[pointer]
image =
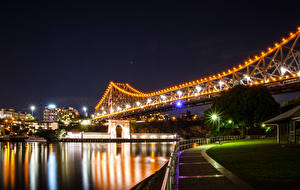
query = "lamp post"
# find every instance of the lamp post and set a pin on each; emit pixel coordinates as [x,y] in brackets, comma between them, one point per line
[32,108]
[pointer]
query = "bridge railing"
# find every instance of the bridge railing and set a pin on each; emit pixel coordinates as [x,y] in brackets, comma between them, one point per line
[186,144]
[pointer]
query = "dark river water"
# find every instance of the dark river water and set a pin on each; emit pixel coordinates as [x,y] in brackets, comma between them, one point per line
[79,165]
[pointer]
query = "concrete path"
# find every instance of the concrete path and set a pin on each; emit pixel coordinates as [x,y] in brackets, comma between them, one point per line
[196,170]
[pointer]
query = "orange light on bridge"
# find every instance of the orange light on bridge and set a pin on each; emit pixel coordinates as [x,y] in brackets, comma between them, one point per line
[270,49]
[283,39]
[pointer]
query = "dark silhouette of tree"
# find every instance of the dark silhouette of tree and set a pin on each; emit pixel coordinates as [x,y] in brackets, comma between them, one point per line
[245,106]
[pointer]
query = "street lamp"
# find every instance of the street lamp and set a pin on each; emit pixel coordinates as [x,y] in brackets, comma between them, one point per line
[85,110]
[32,108]
[214,117]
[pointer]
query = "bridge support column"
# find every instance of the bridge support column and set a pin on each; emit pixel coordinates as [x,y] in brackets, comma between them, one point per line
[112,126]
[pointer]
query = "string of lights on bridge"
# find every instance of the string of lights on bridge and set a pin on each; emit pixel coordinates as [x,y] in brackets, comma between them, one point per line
[222,84]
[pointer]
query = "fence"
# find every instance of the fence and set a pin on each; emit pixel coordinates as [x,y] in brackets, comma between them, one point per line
[185,144]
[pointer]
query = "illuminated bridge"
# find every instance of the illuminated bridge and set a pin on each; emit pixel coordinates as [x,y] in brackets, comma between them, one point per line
[277,68]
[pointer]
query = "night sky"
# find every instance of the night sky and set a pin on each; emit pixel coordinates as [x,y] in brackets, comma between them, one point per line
[66,53]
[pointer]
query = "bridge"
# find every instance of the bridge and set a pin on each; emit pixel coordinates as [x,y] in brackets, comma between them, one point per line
[277,68]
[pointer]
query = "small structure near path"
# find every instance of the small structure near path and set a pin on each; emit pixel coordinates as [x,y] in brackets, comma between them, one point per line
[288,125]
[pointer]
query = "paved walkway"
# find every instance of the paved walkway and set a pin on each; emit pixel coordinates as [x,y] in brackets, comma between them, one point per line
[196,170]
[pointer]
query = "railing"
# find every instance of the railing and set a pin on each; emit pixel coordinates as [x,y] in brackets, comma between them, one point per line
[185,144]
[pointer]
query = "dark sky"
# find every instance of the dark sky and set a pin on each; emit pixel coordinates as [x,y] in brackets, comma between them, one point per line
[66,53]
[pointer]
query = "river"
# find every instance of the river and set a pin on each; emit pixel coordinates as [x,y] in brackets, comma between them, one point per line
[85,166]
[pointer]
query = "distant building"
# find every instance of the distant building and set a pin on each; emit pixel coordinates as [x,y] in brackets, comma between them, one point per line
[66,114]
[48,115]
[60,114]
[49,125]
[12,113]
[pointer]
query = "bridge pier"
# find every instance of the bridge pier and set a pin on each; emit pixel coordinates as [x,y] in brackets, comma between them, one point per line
[112,126]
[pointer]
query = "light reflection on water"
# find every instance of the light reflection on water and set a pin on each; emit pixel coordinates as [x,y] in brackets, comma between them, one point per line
[79,165]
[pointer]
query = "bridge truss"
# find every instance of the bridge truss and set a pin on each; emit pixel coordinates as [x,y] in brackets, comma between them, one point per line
[277,68]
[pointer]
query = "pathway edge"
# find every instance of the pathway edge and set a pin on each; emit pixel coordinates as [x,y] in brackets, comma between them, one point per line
[228,174]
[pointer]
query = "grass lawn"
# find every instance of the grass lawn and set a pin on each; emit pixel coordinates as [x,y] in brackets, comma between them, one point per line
[262,163]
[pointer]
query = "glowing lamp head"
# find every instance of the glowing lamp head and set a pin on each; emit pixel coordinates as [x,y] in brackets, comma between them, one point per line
[283,70]
[229,121]
[149,100]
[179,93]
[163,97]
[221,83]
[32,108]
[247,77]
[198,88]
[51,106]
[214,116]
[84,108]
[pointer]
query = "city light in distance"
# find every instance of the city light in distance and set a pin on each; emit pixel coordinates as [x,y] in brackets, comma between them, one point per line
[179,104]
[138,103]
[84,108]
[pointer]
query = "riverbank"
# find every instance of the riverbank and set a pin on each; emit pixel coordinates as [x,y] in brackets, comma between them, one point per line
[152,182]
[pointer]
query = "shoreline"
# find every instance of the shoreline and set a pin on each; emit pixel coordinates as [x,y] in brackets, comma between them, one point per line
[154,181]
[23,139]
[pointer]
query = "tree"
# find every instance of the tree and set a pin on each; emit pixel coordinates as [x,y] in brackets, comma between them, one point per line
[244,106]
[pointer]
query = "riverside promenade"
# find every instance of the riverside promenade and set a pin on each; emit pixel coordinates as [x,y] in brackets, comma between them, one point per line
[196,170]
